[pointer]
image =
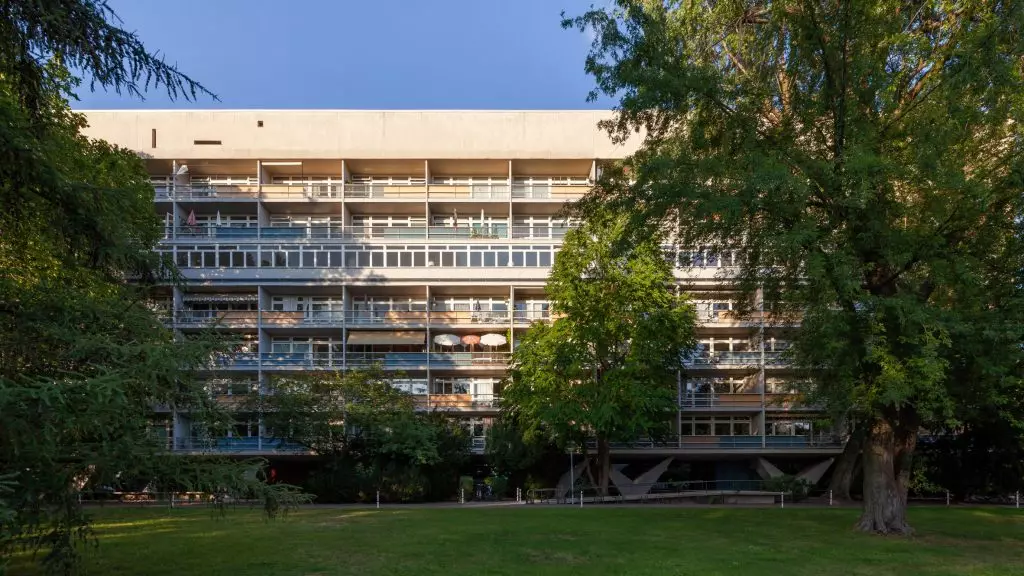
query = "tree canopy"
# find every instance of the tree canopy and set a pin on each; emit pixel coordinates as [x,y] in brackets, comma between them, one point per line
[606,368]
[862,161]
[363,426]
[84,363]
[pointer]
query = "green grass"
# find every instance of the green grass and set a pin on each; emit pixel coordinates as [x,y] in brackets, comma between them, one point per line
[550,540]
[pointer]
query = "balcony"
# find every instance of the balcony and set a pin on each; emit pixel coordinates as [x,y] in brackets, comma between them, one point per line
[301,192]
[736,360]
[385,317]
[236,234]
[458,402]
[421,360]
[302,360]
[466,317]
[469,192]
[564,193]
[527,317]
[307,319]
[386,191]
[744,402]
[821,443]
[208,192]
[725,360]
[236,445]
[539,232]
[339,361]
[216,318]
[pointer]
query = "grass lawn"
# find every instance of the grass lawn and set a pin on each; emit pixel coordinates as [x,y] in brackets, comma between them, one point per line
[550,540]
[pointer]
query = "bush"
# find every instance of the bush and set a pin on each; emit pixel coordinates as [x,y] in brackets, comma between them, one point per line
[467,486]
[796,488]
[499,486]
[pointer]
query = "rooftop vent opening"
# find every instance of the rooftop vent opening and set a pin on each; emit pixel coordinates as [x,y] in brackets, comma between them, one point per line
[206,142]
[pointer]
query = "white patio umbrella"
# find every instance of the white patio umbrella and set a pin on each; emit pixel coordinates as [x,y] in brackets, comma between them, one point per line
[493,340]
[447,340]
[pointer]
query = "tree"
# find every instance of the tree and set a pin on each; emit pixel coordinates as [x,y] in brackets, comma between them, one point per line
[365,427]
[606,368]
[861,161]
[83,361]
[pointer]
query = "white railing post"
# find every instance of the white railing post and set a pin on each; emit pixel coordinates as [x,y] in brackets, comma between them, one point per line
[462,496]
[581,498]
[947,497]
[829,497]
[378,499]
[1016,499]
[782,502]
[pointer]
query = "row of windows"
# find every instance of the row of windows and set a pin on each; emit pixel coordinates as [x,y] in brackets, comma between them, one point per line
[359,256]
[333,256]
[742,426]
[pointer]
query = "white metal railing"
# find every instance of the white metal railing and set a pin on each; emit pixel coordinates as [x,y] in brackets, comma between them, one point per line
[338,359]
[385,191]
[723,401]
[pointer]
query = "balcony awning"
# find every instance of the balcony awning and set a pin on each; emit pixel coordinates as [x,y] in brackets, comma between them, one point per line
[219,298]
[371,338]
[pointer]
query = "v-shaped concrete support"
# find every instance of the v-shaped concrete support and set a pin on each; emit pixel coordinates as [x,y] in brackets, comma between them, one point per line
[564,483]
[641,484]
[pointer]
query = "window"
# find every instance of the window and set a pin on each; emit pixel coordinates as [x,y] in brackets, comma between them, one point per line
[716,426]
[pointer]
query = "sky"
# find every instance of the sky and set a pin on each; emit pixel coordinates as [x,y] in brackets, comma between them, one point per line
[369,54]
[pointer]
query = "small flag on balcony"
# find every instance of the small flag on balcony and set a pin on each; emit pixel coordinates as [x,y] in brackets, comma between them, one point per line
[191,220]
[455,219]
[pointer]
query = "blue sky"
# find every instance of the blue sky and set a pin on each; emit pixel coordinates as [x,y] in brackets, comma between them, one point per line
[398,54]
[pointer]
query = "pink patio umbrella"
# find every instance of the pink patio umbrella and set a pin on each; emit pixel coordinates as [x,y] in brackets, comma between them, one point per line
[471,340]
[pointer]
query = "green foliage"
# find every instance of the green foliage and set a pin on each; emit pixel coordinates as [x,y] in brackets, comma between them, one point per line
[606,368]
[863,159]
[508,452]
[83,361]
[369,434]
[794,488]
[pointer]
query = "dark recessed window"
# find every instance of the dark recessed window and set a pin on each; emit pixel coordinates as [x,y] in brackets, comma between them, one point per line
[153,138]
[206,142]
[259,123]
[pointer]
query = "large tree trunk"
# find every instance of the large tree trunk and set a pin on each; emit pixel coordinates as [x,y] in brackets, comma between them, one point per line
[604,466]
[887,453]
[847,465]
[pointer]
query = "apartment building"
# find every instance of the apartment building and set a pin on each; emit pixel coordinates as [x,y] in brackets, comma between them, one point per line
[421,240]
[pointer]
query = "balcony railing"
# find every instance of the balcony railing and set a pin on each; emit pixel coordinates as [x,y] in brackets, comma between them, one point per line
[355,318]
[434,359]
[385,317]
[214,233]
[736,360]
[458,401]
[546,191]
[235,445]
[446,317]
[469,191]
[539,232]
[273,192]
[712,443]
[338,360]
[304,318]
[529,317]
[204,192]
[312,192]
[386,191]
[225,318]
[721,401]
